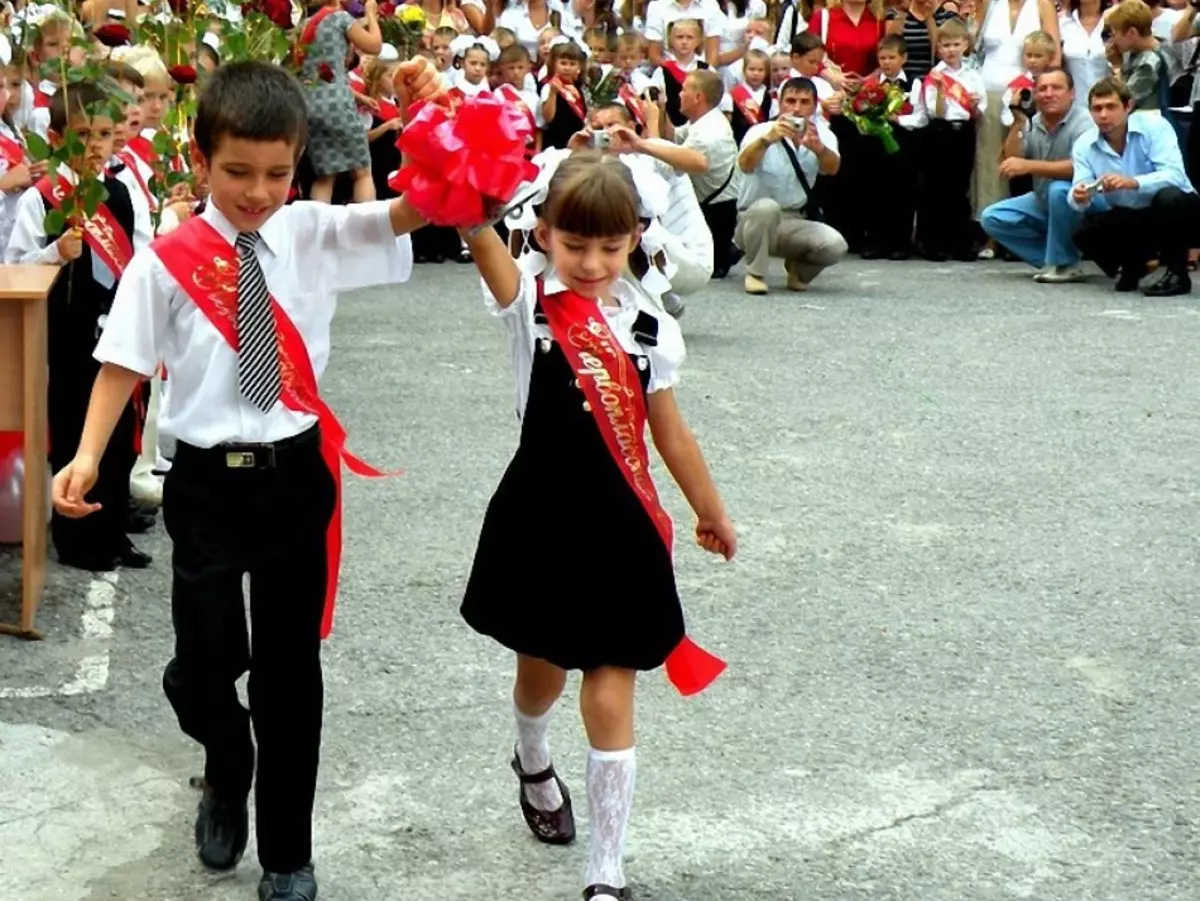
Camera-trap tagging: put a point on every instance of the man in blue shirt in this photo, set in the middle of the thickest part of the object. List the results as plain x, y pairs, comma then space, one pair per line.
1130, 184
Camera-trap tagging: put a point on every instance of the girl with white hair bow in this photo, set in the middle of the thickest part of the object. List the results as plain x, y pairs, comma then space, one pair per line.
472, 57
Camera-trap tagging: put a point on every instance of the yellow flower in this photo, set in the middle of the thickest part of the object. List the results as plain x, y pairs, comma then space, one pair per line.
202, 11
411, 14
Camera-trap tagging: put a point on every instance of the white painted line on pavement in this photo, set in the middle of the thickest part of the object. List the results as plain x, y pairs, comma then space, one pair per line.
91, 675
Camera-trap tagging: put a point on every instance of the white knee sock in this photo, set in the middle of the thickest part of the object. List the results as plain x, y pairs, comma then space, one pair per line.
610, 780
533, 750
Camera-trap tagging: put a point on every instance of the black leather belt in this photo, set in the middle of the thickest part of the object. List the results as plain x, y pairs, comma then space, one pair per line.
249, 456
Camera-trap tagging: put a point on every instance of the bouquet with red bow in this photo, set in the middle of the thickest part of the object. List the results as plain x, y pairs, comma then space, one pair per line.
872, 107
462, 160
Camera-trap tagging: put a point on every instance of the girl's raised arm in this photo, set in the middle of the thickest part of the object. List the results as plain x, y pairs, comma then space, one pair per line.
495, 264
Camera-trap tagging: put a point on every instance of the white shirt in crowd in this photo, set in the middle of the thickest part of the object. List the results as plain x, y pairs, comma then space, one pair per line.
8, 199
516, 19
775, 179
712, 135
661, 13
690, 243
969, 79
309, 253
919, 117
1083, 54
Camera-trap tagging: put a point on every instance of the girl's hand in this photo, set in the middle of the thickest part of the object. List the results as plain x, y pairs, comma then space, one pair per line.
717, 536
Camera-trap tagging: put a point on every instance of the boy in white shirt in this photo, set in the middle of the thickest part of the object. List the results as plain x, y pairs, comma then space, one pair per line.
237, 302
954, 98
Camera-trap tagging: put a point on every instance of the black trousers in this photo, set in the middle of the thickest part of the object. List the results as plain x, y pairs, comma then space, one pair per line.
846, 197
100, 536
722, 221
893, 180
945, 207
269, 523
1124, 238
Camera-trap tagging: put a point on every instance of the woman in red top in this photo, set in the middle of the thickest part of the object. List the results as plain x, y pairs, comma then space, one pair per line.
851, 31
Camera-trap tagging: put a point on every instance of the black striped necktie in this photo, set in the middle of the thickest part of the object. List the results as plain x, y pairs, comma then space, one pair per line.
258, 356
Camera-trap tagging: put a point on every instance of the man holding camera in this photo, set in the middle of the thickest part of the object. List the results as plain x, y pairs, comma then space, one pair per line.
1038, 226
777, 213
1136, 200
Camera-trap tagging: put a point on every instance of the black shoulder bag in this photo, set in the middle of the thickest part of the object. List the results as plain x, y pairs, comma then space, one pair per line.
812, 206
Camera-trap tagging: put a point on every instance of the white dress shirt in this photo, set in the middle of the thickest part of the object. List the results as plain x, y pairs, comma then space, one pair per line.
309, 253
661, 13
712, 135
969, 79
143, 221
8, 199
918, 118
523, 332
775, 179
516, 19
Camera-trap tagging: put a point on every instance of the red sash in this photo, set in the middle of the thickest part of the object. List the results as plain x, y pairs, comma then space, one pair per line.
513, 96
1021, 83
206, 267
310, 27
746, 104
632, 102
387, 110
573, 98
676, 71
953, 90
131, 163
102, 232
41, 100
614, 393
11, 152
143, 148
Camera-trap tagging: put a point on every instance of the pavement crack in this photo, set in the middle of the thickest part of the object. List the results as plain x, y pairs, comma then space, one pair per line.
932, 813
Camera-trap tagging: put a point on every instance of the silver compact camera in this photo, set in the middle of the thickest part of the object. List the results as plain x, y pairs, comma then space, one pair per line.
799, 123
601, 140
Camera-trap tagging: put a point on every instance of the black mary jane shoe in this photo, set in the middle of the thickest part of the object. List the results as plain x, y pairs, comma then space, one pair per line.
551, 827
621, 894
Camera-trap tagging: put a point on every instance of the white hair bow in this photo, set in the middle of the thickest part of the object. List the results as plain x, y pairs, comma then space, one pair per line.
464, 43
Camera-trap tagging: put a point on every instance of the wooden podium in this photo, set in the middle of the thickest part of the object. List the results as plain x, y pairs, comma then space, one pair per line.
23, 291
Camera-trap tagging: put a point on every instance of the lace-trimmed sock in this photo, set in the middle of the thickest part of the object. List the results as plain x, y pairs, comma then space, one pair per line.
610, 781
533, 750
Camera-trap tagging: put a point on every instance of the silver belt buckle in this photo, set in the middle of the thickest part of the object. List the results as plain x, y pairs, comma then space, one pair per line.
239, 460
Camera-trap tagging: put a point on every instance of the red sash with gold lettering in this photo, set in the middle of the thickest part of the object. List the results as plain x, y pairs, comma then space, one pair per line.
611, 384
632, 101
953, 90
573, 98
677, 72
206, 267
102, 232
11, 152
746, 104
131, 163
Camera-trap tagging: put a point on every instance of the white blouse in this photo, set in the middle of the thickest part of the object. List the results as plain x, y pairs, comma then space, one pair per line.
524, 333
1083, 54
516, 19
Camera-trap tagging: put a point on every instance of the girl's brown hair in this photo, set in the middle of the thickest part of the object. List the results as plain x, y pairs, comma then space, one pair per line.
567, 50
592, 195
374, 75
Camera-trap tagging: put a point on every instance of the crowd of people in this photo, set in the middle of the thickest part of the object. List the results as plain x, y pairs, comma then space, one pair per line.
143, 152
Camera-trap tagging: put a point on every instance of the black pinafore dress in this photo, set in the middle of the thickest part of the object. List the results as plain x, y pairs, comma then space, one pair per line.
570, 567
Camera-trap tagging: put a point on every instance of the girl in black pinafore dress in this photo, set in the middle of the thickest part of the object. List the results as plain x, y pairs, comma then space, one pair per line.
573, 568
564, 109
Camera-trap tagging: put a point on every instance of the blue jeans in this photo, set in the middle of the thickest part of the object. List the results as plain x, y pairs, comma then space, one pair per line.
1036, 231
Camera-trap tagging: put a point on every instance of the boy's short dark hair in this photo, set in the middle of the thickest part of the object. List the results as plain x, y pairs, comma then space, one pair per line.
514, 53
798, 85
119, 71
252, 100
85, 98
805, 43
895, 43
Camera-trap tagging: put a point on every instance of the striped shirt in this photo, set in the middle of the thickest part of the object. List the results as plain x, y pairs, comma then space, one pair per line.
916, 34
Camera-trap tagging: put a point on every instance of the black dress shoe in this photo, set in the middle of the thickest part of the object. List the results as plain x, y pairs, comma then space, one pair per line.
1172, 284
222, 828
300, 885
132, 558
551, 827
936, 256
719, 274
138, 523
1129, 278
898, 255
871, 253
621, 894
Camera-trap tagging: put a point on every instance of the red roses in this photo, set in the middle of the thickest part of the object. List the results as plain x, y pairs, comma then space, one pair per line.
182, 74
325, 72
278, 11
112, 34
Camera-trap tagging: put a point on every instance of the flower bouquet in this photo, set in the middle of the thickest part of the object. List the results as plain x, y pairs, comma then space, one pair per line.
403, 27
872, 107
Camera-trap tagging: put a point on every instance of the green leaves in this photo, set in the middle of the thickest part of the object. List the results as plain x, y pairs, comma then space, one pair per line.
36, 145
162, 144
55, 222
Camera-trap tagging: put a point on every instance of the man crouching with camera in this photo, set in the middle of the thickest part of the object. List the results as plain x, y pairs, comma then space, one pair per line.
778, 216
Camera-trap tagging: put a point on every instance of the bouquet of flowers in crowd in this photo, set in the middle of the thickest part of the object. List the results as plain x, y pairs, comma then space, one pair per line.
403, 27
872, 107
601, 87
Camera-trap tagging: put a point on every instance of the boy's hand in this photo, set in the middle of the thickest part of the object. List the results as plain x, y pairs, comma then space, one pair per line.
21, 176
717, 536
71, 485
70, 245
416, 79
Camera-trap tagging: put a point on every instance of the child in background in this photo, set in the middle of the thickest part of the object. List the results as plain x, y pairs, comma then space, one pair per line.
473, 57
602, 44
894, 178
750, 96
51, 39
547, 38
386, 123
807, 59
77, 314
513, 67
1037, 53
440, 43
630, 62
685, 37
954, 97
504, 37
1135, 52
15, 175
563, 108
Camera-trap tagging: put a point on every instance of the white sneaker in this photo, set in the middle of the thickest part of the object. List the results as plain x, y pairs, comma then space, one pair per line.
1059, 275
